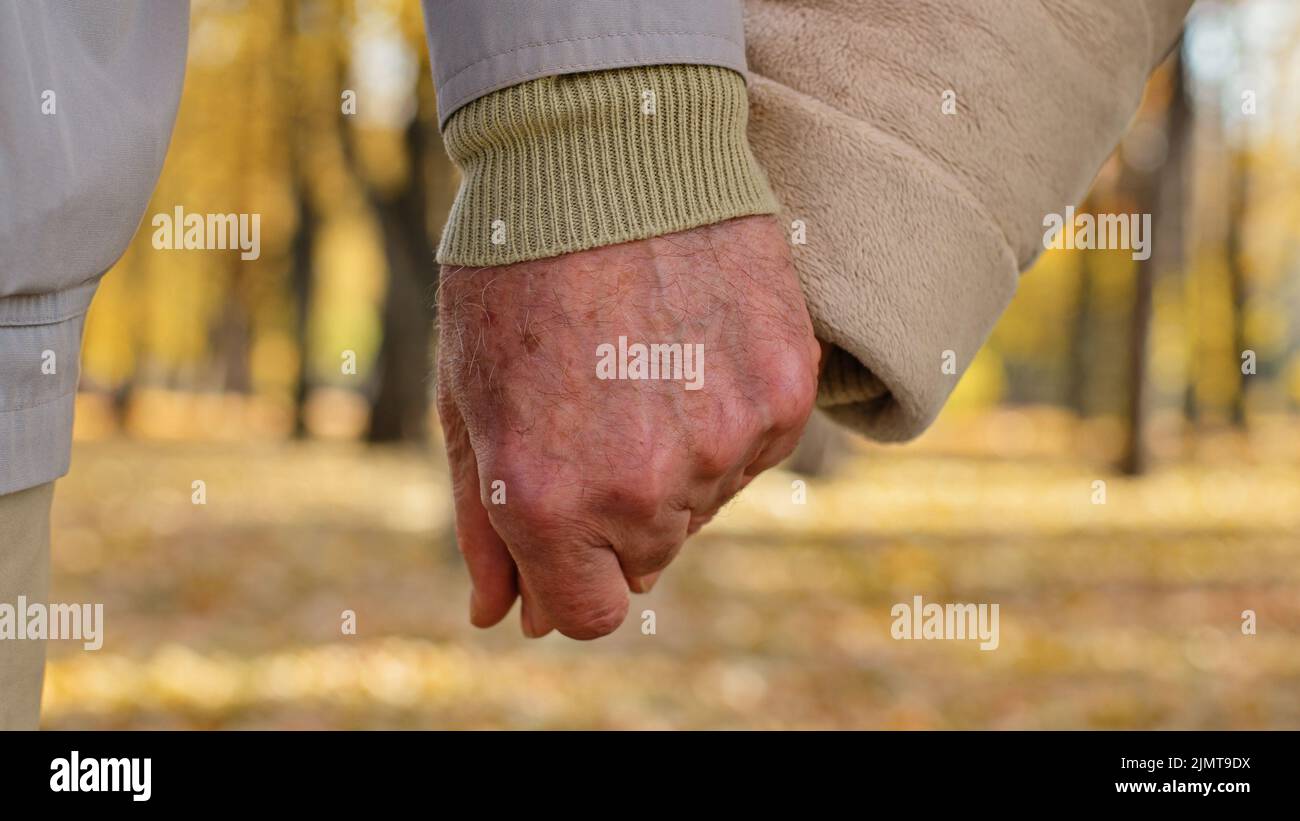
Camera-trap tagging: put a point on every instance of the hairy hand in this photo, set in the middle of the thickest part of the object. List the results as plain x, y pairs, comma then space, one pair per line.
576, 475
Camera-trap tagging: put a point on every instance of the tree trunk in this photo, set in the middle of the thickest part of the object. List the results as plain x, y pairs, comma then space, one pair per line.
1079, 353
300, 280
401, 399
1163, 198
1239, 188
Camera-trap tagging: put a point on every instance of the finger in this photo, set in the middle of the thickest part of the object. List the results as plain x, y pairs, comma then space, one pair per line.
698, 522
720, 496
532, 620
768, 453
643, 584
647, 547
579, 588
776, 449
491, 569
709, 496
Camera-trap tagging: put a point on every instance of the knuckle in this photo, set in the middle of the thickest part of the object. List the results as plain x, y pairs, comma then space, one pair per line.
791, 391
529, 499
738, 423
593, 621
531, 506
650, 556
716, 457
775, 449
636, 498
776, 454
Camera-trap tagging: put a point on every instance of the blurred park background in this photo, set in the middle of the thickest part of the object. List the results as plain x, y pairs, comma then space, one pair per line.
326, 491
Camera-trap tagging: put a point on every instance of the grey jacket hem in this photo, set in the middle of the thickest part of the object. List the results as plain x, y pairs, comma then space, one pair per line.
40, 337
37, 444
474, 52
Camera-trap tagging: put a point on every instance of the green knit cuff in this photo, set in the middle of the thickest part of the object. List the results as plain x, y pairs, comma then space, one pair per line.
578, 161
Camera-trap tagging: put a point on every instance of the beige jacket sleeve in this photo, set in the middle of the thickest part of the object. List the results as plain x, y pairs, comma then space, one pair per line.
918, 223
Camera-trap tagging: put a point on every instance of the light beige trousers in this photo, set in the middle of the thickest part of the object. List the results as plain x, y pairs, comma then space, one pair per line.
24, 571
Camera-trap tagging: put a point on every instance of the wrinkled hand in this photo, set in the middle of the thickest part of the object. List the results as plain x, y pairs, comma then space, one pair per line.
571, 489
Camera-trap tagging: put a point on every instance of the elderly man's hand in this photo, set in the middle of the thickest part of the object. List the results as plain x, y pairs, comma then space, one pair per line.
574, 482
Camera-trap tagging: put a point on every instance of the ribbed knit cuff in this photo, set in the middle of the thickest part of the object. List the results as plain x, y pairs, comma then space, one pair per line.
578, 161
844, 381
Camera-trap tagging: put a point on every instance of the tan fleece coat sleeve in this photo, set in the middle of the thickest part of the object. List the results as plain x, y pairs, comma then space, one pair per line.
918, 223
